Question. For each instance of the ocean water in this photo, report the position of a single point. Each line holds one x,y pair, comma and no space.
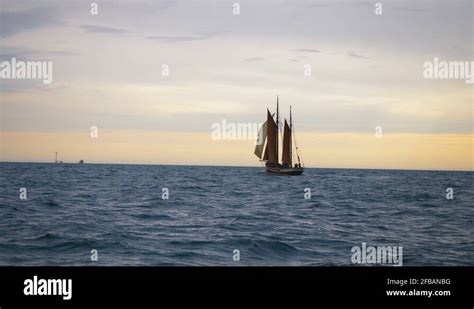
118,210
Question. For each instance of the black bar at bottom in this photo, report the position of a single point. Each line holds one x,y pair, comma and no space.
331,285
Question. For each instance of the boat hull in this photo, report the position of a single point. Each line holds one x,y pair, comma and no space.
292,171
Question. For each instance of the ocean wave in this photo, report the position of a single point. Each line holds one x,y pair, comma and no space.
212,211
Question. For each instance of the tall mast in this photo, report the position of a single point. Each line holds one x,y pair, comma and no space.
278,130
56,157
291,126
291,138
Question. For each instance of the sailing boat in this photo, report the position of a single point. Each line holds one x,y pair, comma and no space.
268,152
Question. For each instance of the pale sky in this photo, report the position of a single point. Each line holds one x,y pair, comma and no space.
367,71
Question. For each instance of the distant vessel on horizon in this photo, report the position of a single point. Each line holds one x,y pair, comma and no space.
267,146
56,158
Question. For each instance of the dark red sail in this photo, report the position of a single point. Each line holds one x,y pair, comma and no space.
286,157
272,135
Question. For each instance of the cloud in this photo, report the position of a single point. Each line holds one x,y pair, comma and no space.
23,53
14,22
255,59
307,50
355,55
298,58
186,38
176,39
103,29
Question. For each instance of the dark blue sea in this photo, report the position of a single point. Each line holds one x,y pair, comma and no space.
118,210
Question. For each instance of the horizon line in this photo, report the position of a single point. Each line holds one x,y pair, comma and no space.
249,166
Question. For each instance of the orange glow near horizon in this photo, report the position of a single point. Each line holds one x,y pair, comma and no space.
326,150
